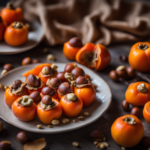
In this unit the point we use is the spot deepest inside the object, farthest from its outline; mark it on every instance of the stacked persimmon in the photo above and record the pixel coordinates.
(96, 57)
(48, 94)
(12, 30)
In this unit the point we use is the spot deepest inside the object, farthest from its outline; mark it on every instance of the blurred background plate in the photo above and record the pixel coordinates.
(96, 110)
(35, 36)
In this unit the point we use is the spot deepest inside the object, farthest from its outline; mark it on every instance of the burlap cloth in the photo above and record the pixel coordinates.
(99, 21)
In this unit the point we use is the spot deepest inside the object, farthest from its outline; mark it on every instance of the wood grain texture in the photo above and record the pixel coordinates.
(63, 141)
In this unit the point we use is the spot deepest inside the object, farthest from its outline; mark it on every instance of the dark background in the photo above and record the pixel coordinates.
(63, 141)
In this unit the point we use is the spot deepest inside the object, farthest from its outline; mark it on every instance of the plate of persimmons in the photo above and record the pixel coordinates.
(53, 98)
(16, 35)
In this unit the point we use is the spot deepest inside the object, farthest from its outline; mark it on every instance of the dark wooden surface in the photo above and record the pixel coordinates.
(63, 141)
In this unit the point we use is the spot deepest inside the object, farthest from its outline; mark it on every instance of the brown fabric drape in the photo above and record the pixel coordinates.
(99, 21)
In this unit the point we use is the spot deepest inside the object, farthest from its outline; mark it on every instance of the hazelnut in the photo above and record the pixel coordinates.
(76, 144)
(142, 88)
(47, 70)
(8, 67)
(5, 145)
(16, 84)
(113, 75)
(121, 72)
(47, 100)
(64, 88)
(96, 134)
(34, 61)
(81, 80)
(48, 91)
(131, 72)
(61, 76)
(26, 61)
(123, 58)
(33, 81)
(76, 72)
(136, 112)
(35, 96)
(70, 67)
(22, 137)
(75, 42)
(55, 82)
(1, 126)
(51, 57)
(125, 105)
(55, 122)
(145, 141)
(3, 72)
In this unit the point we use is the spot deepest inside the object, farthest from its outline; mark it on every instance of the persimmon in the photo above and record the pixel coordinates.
(49, 91)
(85, 91)
(15, 90)
(49, 109)
(35, 71)
(63, 89)
(139, 56)
(71, 105)
(127, 130)
(146, 112)
(34, 83)
(16, 34)
(138, 93)
(24, 108)
(2, 28)
(10, 14)
(95, 57)
(47, 73)
(72, 47)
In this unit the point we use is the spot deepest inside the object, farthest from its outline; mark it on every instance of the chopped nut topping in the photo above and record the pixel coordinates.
(86, 113)
(3, 72)
(142, 88)
(49, 126)
(65, 120)
(74, 120)
(39, 126)
(76, 144)
(80, 118)
(2, 86)
(45, 50)
(120, 68)
(55, 122)
(51, 57)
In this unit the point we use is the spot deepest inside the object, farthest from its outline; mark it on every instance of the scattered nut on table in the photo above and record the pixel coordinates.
(80, 117)
(50, 57)
(86, 113)
(74, 120)
(39, 126)
(26, 61)
(65, 120)
(55, 122)
(76, 144)
(3, 72)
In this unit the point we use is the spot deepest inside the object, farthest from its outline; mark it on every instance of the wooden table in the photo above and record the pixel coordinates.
(63, 141)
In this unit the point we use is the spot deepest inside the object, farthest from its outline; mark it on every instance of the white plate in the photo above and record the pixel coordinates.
(34, 38)
(96, 110)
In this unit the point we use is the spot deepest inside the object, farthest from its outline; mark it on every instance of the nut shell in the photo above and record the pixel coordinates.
(16, 84)
(76, 72)
(26, 61)
(47, 100)
(8, 67)
(55, 82)
(61, 76)
(22, 137)
(35, 96)
(48, 91)
(75, 42)
(33, 81)
(81, 80)
(5, 145)
(70, 67)
(64, 88)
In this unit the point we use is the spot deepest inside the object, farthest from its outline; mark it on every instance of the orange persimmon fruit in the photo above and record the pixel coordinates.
(9, 14)
(16, 34)
(146, 112)
(139, 56)
(95, 57)
(127, 131)
(138, 93)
